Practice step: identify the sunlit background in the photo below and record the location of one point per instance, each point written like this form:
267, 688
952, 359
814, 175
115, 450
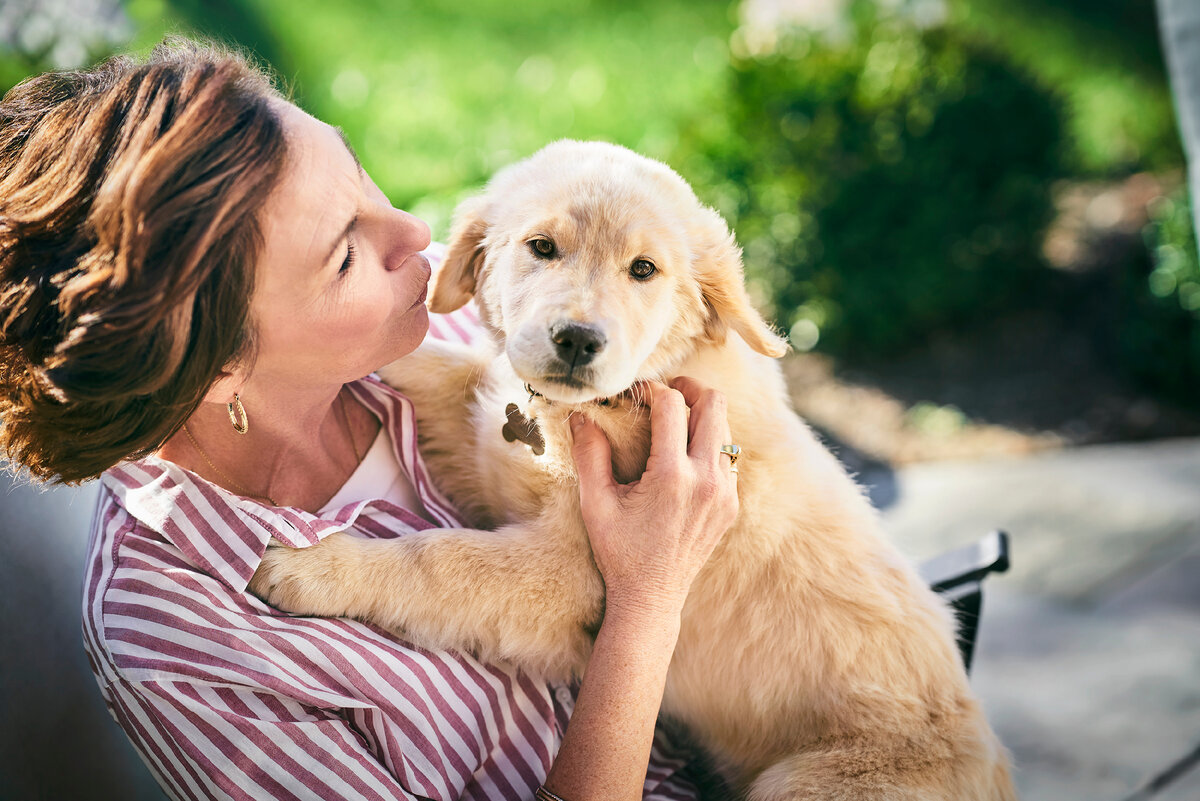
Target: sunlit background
899, 172
970, 216
895, 169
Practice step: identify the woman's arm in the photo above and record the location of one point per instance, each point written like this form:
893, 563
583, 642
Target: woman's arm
649, 538
606, 747
233, 743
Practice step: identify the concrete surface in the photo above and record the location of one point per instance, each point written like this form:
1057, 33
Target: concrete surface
1088, 658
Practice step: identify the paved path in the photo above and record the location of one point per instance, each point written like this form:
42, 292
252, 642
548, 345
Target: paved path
1089, 653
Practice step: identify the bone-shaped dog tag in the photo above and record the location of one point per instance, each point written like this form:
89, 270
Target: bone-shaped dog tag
520, 427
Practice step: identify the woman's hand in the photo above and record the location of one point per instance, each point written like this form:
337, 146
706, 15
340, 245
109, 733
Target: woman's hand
651, 537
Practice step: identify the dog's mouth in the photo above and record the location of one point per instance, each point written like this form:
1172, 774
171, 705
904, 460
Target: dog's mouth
565, 381
574, 385
579, 393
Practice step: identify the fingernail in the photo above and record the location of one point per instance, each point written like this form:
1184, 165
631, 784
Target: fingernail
576, 421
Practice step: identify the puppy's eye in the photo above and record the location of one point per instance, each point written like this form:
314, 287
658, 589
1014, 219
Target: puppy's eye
642, 269
543, 248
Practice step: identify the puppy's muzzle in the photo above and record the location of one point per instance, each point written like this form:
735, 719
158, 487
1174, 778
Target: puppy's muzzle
576, 344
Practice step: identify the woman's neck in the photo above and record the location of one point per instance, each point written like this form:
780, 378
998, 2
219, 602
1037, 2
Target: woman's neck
299, 449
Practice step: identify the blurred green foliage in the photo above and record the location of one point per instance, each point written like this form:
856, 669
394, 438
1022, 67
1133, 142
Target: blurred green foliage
1159, 323
39, 35
884, 184
436, 96
888, 178
1103, 59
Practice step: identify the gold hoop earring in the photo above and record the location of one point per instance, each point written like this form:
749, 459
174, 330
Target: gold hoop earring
236, 410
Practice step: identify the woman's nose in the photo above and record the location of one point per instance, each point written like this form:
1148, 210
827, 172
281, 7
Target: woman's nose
411, 232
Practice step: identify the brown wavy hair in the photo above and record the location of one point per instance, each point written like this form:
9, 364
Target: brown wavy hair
128, 235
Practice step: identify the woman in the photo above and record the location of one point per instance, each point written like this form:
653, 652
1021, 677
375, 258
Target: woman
195, 277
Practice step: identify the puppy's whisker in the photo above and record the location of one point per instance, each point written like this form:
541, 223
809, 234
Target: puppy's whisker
639, 398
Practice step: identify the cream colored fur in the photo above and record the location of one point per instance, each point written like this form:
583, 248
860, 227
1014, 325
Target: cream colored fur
813, 663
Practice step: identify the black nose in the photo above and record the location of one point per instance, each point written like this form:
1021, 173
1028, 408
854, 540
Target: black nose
576, 343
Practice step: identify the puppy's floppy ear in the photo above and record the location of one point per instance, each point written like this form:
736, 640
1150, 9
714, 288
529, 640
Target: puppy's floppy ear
454, 283
718, 265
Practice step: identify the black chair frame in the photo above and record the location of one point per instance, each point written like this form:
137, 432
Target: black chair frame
958, 577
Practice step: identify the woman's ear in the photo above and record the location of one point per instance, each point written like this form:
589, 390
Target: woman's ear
227, 384
454, 283
718, 265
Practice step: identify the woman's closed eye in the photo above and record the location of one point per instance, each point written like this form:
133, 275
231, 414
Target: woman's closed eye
349, 260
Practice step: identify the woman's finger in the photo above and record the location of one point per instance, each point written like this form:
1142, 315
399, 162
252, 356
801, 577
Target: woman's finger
708, 423
593, 459
668, 425
691, 390
710, 428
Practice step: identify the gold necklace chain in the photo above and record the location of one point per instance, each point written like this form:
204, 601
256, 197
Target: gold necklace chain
246, 490
239, 487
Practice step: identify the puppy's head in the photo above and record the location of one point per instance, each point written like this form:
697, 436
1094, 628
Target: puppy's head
595, 267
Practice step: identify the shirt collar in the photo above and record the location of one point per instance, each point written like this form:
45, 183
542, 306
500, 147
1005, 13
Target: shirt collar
226, 535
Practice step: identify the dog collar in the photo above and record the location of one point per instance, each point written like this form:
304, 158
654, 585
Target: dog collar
533, 393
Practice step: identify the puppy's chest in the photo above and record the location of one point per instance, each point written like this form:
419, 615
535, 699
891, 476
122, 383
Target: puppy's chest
626, 427
539, 431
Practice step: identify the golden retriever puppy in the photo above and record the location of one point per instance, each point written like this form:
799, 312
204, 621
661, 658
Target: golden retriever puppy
812, 663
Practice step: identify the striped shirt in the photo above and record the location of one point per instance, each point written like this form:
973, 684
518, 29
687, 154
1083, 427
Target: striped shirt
225, 697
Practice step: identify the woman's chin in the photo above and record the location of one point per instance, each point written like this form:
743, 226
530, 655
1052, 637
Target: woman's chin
409, 334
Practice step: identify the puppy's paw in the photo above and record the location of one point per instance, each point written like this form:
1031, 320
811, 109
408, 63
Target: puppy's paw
309, 581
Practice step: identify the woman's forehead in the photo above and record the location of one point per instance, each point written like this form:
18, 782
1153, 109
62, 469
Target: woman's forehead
315, 150
317, 195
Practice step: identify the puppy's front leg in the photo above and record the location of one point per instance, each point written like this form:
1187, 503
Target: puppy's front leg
521, 594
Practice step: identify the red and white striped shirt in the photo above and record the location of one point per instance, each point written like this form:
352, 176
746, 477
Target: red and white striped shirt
226, 697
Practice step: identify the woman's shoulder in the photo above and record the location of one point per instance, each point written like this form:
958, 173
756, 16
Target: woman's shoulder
168, 562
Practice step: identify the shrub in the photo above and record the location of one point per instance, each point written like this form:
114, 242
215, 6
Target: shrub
883, 186
1104, 58
1158, 333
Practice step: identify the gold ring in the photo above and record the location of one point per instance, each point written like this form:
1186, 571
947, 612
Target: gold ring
733, 452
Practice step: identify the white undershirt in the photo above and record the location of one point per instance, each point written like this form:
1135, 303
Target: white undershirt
378, 475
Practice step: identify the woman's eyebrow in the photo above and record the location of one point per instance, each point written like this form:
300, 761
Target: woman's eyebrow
349, 147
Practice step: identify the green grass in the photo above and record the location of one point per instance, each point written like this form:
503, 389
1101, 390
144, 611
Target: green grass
436, 96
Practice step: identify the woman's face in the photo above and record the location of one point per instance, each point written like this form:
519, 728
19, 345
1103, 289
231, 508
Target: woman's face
340, 286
